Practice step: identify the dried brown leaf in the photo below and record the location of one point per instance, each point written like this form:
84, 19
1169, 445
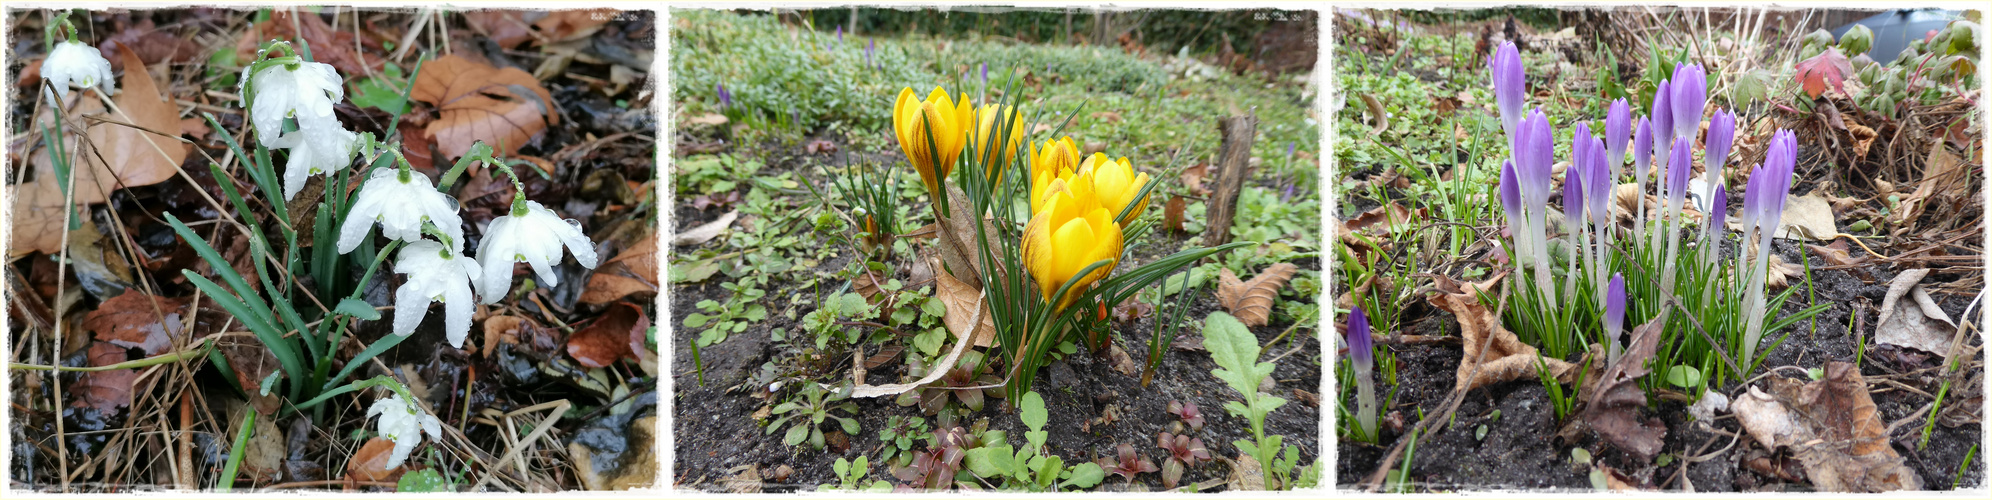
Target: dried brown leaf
606, 340
631, 272
104, 391
369, 463
1506, 357
1911, 318
1831, 425
1252, 301
505, 108
135, 319
1612, 404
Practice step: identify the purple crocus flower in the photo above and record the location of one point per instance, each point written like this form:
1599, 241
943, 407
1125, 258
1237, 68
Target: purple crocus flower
1599, 183
1615, 313
1690, 89
840, 35
1663, 126
1510, 85
1579, 141
1511, 205
871, 46
985, 74
725, 98
1763, 207
1535, 157
1642, 155
1290, 150
1618, 130
1680, 166
1573, 195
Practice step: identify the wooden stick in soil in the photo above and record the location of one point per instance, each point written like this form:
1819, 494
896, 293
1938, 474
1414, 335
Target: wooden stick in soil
1234, 157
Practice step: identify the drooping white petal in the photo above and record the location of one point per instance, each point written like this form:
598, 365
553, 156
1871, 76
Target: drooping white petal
433, 276
457, 305
410, 306
78, 65
535, 238
317, 147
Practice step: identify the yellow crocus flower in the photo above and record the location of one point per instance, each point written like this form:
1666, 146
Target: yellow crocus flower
946, 120
1115, 183
1013, 123
1072, 231
1057, 159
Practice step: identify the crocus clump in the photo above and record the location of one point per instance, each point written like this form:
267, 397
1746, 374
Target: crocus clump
1763, 210
1362, 360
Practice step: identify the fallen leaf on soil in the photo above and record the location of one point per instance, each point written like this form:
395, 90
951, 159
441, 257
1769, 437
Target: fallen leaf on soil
1172, 213
1628, 197
630, 272
504, 108
1393, 215
1778, 273
705, 232
134, 319
1107, 116
263, 457
1832, 426
99, 267
965, 305
1809, 217
504, 330
1506, 358
1378, 116
1829, 68
370, 462
1122, 362
252, 364
957, 236
1192, 179
154, 45
107, 390
128, 157
1837, 254
1131, 311
1613, 402
819, 146
1916, 323
1246, 474
707, 119
1252, 301
574, 24
606, 340
1863, 139
506, 27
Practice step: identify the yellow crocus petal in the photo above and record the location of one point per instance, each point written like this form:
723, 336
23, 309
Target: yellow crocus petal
1073, 244
1106, 244
1038, 252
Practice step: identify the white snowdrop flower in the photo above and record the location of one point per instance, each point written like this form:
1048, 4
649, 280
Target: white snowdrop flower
404, 424
434, 276
316, 148
306, 93
400, 207
534, 238
75, 64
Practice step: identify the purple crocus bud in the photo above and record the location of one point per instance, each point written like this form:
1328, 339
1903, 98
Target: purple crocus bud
1573, 195
1718, 212
725, 98
1510, 85
1690, 96
871, 46
1642, 147
1614, 311
1361, 346
1779, 161
1537, 156
1290, 149
1663, 122
985, 74
1721, 135
1511, 194
840, 35
1680, 166
1618, 130
1599, 182
1580, 141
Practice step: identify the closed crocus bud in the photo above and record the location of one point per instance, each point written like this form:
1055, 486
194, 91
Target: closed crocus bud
73, 64
1115, 183
1618, 130
995, 157
1361, 347
1690, 89
400, 201
1057, 159
1580, 142
1573, 195
1510, 85
1663, 122
534, 236
1511, 195
1536, 159
1718, 211
1598, 183
1642, 147
932, 132
1721, 136
1680, 166
1072, 232
1614, 310
435, 274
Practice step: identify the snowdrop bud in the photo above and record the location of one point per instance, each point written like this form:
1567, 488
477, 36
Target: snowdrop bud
1690, 89
1510, 85
534, 238
78, 65
404, 424
434, 275
400, 207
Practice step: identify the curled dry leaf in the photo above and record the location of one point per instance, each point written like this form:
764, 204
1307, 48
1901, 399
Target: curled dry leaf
608, 338
505, 108
1831, 425
705, 232
1192, 178
1911, 318
122, 156
135, 319
1252, 301
1944, 175
370, 462
1172, 213
631, 272
1612, 402
1506, 357
1809, 217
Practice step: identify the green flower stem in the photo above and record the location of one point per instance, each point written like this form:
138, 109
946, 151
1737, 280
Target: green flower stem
171, 357
235, 451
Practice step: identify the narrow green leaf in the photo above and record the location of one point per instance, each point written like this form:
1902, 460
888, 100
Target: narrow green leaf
358, 309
